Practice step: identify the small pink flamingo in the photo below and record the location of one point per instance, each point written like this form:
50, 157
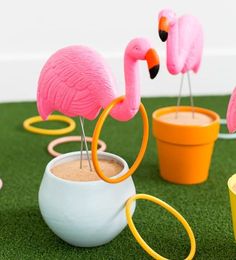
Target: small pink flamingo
184, 36
77, 82
231, 113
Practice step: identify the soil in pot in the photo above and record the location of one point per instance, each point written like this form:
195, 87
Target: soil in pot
71, 170
186, 118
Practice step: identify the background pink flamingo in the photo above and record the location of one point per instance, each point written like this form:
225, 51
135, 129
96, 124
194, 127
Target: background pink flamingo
184, 36
231, 113
77, 82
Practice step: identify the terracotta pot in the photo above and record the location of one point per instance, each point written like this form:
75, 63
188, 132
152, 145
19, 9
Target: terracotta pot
185, 151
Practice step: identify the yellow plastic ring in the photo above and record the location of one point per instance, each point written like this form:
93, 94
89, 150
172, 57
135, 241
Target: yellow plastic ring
175, 213
27, 124
96, 135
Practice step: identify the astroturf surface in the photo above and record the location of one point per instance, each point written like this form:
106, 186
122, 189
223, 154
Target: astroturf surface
23, 157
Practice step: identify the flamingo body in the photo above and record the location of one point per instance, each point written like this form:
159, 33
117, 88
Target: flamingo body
72, 83
184, 42
77, 81
231, 113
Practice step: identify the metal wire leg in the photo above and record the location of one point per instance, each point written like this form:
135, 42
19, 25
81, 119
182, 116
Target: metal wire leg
190, 93
85, 142
81, 147
180, 93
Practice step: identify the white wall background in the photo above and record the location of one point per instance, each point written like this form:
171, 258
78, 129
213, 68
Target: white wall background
31, 30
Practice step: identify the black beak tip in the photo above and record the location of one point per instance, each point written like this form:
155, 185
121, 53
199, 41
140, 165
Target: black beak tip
163, 35
154, 71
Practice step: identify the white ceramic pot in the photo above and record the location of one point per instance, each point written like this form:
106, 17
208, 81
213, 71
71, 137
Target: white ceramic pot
85, 214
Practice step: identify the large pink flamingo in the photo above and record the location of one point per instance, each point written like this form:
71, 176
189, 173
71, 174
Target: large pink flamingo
231, 113
77, 82
184, 36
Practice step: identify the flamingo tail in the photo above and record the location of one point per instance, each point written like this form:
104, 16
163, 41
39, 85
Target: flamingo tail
44, 108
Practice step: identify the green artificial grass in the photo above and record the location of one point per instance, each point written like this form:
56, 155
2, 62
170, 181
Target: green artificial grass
23, 157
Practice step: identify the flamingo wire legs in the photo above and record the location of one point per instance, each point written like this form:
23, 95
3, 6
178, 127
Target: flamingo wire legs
83, 140
190, 93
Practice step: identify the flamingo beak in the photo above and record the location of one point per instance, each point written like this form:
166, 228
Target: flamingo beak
152, 59
163, 28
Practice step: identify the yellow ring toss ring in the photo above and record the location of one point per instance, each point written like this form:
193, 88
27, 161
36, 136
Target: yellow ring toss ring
174, 212
68, 139
36, 119
96, 135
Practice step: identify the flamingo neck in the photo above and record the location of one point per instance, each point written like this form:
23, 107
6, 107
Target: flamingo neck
130, 106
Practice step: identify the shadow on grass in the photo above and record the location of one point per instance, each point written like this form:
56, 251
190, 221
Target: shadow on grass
24, 235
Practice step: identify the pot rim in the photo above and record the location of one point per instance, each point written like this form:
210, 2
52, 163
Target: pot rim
170, 109
231, 182
185, 134
77, 154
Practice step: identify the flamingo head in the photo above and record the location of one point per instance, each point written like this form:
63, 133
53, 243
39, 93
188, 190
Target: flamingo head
166, 19
141, 49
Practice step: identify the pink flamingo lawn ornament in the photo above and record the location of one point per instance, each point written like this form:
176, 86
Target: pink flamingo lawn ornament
231, 113
77, 82
184, 36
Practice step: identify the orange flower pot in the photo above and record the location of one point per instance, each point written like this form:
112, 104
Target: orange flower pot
185, 151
